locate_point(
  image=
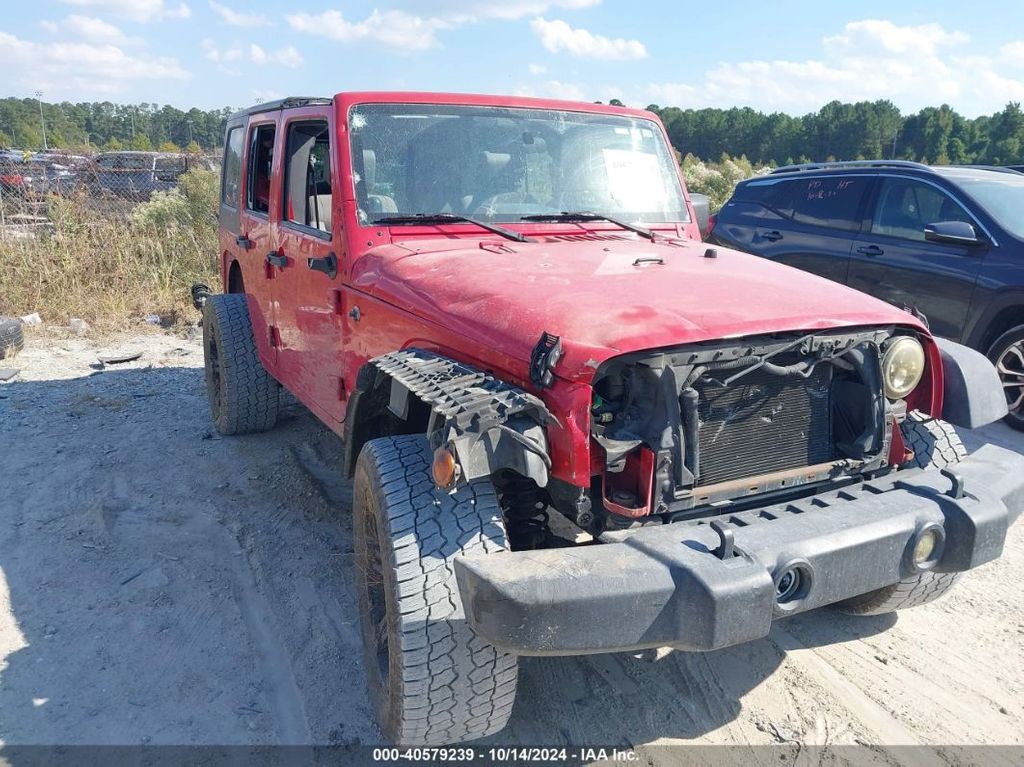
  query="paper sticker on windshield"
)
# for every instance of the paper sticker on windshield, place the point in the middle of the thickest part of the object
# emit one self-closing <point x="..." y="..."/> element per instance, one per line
<point x="635" y="180"/>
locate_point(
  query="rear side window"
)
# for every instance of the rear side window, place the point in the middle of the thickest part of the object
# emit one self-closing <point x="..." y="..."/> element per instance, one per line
<point x="261" y="160"/>
<point x="231" y="182"/>
<point x="832" y="202"/>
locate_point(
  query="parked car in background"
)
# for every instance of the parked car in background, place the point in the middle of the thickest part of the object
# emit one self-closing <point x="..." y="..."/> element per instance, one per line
<point x="138" y="174"/>
<point x="946" y="242"/>
<point x="33" y="176"/>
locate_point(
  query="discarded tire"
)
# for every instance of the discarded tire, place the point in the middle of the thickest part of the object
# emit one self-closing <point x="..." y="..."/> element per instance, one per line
<point x="12" y="338"/>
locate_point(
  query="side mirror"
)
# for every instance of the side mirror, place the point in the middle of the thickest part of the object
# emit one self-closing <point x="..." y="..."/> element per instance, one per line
<point x="952" y="232"/>
<point x="702" y="210"/>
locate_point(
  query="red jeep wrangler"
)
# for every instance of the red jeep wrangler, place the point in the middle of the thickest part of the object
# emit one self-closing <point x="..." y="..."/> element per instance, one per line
<point x="573" y="427"/>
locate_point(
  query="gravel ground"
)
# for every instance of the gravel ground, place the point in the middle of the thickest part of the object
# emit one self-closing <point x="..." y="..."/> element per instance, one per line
<point x="160" y="584"/>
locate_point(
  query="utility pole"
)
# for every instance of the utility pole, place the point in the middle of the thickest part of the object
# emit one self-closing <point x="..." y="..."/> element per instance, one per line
<point x="42" y="121"/>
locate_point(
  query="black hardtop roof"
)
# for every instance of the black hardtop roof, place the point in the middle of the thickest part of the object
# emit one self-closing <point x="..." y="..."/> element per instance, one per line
<point x="288" y="102"/>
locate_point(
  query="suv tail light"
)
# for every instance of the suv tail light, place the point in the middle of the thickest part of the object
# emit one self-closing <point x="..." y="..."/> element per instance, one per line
<point x="711" y="225"/>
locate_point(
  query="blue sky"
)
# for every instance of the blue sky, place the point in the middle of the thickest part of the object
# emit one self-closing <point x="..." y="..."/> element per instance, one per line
<point x="786" y="55"/>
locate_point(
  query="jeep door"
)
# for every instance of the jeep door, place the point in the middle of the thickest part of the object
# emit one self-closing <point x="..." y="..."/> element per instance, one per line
<point x="255" y="244"/>
<point x="308" y="287"/>
<point x="892" y="260"/>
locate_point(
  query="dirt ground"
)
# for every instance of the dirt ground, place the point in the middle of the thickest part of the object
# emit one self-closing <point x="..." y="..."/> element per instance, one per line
<point x="160" y="584"/>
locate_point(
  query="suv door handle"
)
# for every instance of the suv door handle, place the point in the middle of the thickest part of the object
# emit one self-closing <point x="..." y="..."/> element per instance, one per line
<point x="244" y="242"/>
<point x="275" y="259"/>
<point x="328" y="265"/>
<point x="870" y="250"/>
<point x="772" y="236"/>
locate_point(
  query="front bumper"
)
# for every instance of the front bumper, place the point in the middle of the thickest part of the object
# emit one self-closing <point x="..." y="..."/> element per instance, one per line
<point x="664" y="585"/>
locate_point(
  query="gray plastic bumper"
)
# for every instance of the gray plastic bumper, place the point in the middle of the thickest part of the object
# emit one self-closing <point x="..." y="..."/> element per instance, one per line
<point x="665" y="585"/>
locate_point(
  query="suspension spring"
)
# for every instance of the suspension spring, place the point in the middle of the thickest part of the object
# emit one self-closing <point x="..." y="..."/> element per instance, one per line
<point x="525" y="509"/>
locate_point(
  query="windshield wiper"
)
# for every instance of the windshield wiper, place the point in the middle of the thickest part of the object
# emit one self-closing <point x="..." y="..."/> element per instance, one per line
<point x="450" y="218"/>
<point x="584" y="216"/>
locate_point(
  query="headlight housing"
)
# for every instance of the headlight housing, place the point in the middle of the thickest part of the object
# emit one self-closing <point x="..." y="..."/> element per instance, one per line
<point x="902" y="367"/>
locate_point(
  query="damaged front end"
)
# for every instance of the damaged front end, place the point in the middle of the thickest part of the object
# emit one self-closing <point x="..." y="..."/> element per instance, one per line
<point x="687" y="431"/>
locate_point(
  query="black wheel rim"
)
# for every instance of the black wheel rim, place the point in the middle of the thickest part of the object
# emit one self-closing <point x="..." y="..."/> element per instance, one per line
<point x="1011" y="371"/>
<point x="376" y="600"/>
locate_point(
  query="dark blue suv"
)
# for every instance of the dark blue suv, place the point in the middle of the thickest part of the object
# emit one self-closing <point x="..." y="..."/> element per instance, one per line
<point x="944" y="242"/>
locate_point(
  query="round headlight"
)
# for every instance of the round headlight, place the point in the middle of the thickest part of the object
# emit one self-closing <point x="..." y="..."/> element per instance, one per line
<point x="902" y="367"/>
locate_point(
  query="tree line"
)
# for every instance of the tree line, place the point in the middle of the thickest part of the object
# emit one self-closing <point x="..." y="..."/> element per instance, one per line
<point x="105" y="125"/>
<point x="870" y="130"/>
<point x="838" y="131"/>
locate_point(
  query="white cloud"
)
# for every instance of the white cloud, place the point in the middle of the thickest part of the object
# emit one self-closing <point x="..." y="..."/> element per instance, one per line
<point x="416" y="29"/>
<point x="219" y="56"/>
<point x="79" y="70"/>
<point x="556" y="35"/>
<point x="913" y="66"/>
<point x="288" y="56"/>
<point x="226" y="58"/>
<point x="394" y="29"/>
<point x="468" y="11"/>
<point x="239" y="18"/>
<point x="537" y="69"/>
<point x="1013" y="53"/>
<point x="96" y="30"/>
<point x="136" y="10"/>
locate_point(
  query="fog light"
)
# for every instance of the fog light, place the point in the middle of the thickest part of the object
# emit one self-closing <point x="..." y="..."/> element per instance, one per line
<point x="444" y="468"/>
<point x="927" y="546"/>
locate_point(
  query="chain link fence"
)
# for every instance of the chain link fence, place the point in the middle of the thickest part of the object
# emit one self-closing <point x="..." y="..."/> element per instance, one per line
<point x="108" y="237"/>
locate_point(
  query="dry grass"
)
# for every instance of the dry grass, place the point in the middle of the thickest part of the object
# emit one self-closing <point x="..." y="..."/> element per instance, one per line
<point x="113" y="263"/>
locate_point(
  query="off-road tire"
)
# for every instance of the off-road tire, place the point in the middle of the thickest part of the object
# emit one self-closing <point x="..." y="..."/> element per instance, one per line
<point x="1012" y="338"/>
<point x="243" y="395"/>
<point x="936" y="446"/>
<point x="431" y="680"/>
<point x="12" y="337"/>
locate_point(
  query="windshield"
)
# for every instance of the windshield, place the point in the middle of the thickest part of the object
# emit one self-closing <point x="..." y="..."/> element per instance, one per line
<point x="1000" y="194"/>
<point x="502" y="164"/>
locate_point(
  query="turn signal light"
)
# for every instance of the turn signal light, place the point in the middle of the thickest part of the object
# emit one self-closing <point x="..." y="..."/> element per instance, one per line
<point x="444" y="468"/>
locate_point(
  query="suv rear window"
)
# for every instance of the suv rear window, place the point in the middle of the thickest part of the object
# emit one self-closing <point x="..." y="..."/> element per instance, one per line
<point x="231" y="185"/>
<point x="831" y="201"/>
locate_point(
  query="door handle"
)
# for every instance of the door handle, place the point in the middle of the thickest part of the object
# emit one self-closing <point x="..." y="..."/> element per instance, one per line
<point x="772" y="236"/>
<point x="276" y="259"/>
<point x="328" y="265"/>
<point x="870" y="250"/>
<point x="244" y="242"/>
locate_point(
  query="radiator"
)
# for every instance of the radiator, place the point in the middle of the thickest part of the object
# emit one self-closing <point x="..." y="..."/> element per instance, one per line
<point x="763" y="423"/>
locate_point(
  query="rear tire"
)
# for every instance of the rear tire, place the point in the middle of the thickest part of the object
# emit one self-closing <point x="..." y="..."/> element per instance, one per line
<point x="431" y="680"/>
<point x="243" y="395"/>
<point x="12" y="337"/>
<point x="1007" y="354"/>
<point x="936" y="445"/>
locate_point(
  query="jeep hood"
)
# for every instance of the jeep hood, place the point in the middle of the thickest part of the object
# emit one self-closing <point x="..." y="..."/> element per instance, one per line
<point x="603" y="296"/>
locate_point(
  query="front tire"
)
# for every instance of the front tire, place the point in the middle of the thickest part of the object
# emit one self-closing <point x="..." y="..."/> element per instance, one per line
<point x="1007" y="354"/>
<point x="243" y="396"/>
<point x="936" y="445"/>
<point x="431" y="680"/>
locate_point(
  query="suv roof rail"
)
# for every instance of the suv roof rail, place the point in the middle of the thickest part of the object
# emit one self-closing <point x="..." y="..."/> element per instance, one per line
<point x="288" y="102"/>
<point x="851" y="164"/>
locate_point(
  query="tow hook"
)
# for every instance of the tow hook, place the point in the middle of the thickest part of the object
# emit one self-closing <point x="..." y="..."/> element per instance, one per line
<point x="956" y="492"/>
<point x="726" y="540"/>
